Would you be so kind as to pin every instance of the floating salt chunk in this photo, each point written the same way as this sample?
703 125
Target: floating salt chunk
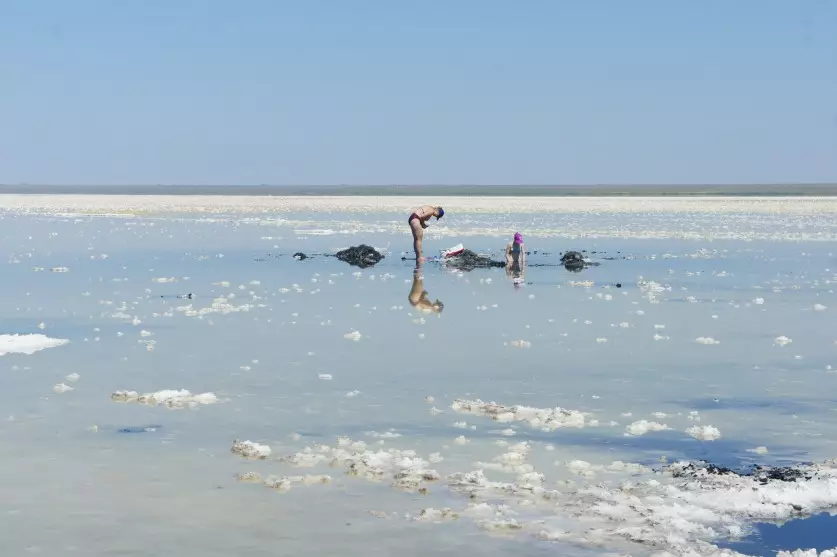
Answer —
545 419
429 399
520 344
659 415
352 394
460 425
642 427
164 279
630 467
249 449
249 477
758 301
707 340
601 340
62 388
758 450
384 435
73 377
60 270
782 340
461 440
661 337
819 307
354 335
41 326
436 515
704 433
145 333
28 344
434 411
807 553
659 326
324 377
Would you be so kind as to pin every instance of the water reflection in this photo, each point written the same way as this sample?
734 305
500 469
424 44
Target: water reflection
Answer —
418 296
516 272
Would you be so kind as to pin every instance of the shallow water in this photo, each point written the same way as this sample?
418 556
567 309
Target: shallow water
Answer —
589 347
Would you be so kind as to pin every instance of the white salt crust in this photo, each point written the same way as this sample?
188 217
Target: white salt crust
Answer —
170 398
28 344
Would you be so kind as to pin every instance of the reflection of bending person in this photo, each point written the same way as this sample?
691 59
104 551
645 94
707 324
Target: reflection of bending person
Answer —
418 296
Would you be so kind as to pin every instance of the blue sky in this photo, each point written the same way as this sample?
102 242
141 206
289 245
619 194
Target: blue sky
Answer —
416 92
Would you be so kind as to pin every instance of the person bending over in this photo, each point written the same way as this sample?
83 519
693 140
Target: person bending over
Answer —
418 222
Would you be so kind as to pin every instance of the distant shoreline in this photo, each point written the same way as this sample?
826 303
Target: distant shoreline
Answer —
431 191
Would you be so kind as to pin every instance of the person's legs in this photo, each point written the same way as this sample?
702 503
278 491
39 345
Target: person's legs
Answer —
418 234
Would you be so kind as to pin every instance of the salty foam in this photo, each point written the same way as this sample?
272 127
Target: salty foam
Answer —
170 398
545 419
28 344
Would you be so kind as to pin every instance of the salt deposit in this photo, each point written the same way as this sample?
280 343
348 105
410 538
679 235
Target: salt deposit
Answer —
704 433
28 344
354 335
402 468
642 427
170 398
707 340
545 419
249 449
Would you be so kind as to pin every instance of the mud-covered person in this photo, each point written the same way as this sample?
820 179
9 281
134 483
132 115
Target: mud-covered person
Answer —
418 296
418 222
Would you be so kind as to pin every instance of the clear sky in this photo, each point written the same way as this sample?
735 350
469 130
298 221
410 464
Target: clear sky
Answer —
417 92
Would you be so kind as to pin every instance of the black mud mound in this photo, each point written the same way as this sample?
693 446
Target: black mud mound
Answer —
468 261
299 256
362 256
573 261
762 474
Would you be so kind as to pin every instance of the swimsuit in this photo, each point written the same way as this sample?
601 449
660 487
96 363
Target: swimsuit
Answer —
413 216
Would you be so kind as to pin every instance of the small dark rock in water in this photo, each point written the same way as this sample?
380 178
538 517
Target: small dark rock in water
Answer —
618 285
467 260
299 256
362 256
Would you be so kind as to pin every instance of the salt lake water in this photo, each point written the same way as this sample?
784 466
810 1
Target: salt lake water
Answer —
719 344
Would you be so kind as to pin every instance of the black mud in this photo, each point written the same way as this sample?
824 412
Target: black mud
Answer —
468 261
762 474
574 261
362 256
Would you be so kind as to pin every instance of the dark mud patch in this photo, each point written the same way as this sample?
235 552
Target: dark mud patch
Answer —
762 474
468 261
362 256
